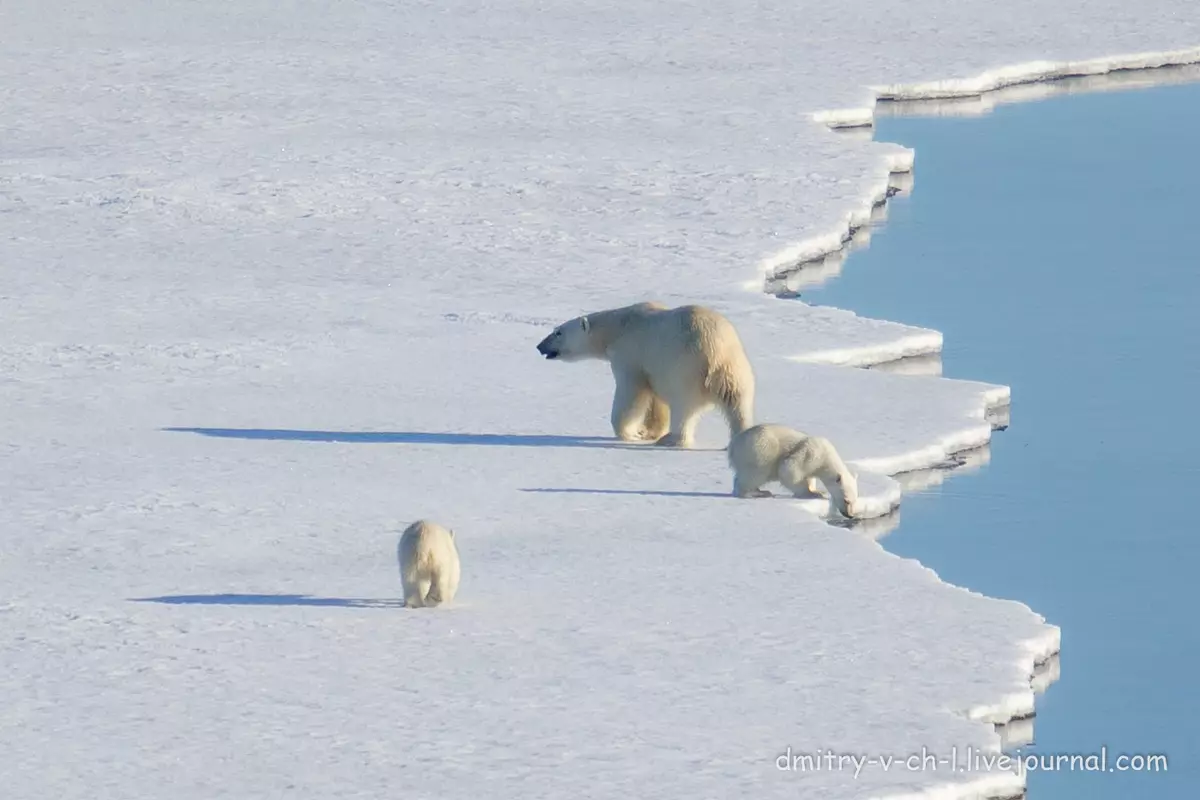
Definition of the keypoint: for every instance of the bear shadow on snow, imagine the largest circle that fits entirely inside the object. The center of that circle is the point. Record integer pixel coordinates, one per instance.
(271, 600)
(414, 437)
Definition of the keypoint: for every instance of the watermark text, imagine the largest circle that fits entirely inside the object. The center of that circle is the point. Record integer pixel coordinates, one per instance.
(969, 760)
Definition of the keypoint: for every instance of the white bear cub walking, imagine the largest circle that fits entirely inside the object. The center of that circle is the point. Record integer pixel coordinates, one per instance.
(670, 365)
(770, 452)
(429, 568)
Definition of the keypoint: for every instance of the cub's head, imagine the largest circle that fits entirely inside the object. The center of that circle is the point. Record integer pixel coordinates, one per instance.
(570, 341)
(845, 492)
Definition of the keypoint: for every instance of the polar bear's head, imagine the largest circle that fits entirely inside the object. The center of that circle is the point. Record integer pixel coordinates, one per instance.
(570, 341)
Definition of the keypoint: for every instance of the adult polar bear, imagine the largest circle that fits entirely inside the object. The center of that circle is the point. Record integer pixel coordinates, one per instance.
(670, 366)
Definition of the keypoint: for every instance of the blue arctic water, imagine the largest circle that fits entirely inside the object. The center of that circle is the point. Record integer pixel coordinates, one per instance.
(1057, 246)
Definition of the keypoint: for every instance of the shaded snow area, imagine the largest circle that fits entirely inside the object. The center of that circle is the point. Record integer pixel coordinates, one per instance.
(271, 277)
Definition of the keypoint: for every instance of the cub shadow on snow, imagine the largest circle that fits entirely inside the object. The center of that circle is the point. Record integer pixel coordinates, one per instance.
(421, 437)
(270, 600)
(872, 526)
(649, 492)
(466, 439)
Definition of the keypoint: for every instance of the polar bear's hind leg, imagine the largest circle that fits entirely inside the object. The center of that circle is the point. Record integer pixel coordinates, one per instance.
(685, 415)
(439, 591)
(415, 593)
(445, 585)
(748, 482)
(742, 490)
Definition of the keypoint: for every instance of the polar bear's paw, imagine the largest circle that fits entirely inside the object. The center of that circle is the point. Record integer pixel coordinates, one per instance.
(673, 440)
(657, 422)
(636, 435)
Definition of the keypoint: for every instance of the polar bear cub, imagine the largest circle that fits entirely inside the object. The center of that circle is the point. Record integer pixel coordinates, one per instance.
(670, 365)
(770, 452)
(429, 567)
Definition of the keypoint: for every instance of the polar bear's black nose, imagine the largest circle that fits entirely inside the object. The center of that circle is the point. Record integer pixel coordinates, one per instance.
(545, 349)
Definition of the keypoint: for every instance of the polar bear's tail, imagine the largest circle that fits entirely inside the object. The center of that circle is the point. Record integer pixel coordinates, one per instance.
(734, 397)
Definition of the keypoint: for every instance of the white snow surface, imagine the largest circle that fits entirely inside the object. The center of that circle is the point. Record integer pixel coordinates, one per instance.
(271, 276)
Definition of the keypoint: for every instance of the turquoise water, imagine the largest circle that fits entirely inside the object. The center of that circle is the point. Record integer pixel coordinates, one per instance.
(1056, 244)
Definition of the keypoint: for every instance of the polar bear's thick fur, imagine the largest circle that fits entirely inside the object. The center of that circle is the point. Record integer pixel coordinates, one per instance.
(770, 452)
(670, 366)
(429, 567)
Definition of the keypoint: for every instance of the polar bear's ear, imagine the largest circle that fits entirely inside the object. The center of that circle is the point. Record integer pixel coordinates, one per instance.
(587, 326)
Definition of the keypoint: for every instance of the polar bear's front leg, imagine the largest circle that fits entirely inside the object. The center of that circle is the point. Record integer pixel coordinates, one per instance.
(657, 421)
(805, 487)
(796, 475)
(633, 405)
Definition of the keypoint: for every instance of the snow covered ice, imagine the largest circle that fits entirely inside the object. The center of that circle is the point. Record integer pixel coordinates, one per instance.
(270, 283)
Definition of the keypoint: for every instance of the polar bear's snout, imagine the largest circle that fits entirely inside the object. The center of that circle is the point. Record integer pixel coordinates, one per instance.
(547, 347)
